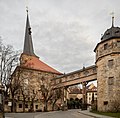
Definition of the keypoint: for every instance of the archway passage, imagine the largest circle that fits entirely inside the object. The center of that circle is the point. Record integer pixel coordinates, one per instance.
(82, 76)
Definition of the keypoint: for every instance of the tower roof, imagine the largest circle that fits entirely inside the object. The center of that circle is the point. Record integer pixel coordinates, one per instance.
(31, 61)
(28, 44)
(113, 32)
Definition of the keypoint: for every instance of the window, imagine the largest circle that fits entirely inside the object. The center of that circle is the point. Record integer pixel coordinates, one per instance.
(105, 46)
(26, 105)
(18, 97)
(20, 105)
(118, 44)
(36, 106)
(110, 80)
(105, 102)
(110, 63)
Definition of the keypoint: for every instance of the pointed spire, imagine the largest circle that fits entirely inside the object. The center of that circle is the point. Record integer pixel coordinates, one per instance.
(28, 45)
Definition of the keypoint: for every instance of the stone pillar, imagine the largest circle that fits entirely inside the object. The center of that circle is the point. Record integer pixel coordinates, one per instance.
(65, 95)
(84, 100)
(64, 99)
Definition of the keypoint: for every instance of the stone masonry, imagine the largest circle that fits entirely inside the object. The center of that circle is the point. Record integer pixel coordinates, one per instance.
(108, 73)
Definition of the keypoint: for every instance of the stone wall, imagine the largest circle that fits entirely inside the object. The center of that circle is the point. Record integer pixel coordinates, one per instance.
(31, 81)
(108, 73)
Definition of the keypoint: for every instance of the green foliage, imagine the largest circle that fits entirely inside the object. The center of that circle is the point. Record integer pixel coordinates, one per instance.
(116, 115)
(74, 103)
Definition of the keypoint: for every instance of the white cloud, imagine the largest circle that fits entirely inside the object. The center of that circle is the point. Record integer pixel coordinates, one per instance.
(65, 32)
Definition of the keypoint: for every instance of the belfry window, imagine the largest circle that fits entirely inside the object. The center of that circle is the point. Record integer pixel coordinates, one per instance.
(105, 46)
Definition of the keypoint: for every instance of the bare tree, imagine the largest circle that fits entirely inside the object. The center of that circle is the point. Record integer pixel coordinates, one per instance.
(24, 91)
(15, 86)
(8, 61)
(46, 91)
(33, 96)
(57, 94)
(27, 89)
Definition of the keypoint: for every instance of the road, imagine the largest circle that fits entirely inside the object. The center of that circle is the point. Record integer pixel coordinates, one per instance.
(54, 114)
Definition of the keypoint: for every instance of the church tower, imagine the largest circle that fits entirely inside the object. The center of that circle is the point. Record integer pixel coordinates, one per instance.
(28, 49)
(108, 69)
(28, 58)
(31, 75)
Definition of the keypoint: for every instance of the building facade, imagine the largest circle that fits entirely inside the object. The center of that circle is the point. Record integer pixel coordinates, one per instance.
(30, 88)
(91, 93)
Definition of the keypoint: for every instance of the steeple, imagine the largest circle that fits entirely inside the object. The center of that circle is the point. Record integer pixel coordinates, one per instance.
(28, 45)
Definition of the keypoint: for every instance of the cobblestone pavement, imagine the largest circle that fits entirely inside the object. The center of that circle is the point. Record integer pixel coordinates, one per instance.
(54, 114)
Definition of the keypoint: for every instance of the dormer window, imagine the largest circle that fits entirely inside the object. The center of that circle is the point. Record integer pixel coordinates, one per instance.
(107, 33)
(105, 46)
(117, 31)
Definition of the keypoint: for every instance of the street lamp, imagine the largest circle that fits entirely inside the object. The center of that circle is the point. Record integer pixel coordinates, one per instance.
(1, 101)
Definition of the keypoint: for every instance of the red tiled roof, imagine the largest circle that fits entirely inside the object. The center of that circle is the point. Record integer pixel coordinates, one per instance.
(37, 64)
(75, 91)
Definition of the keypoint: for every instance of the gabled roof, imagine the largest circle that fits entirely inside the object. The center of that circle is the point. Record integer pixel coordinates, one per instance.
(34, 63)
(91, 87)
(75, 90)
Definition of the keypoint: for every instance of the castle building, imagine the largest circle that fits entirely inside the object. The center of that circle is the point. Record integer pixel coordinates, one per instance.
(33, 75)
(30, 78)
(108, 69)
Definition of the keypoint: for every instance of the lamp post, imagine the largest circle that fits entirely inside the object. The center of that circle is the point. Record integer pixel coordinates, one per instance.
(1, 101)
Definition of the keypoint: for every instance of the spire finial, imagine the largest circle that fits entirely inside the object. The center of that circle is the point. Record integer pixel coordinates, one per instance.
(112, 14)
(26, 2)
(27, 9)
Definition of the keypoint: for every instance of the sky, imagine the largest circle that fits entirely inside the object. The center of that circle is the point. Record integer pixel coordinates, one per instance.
(64, 32)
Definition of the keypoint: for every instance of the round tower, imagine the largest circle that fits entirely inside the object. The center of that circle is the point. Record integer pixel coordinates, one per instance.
(108, 69)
